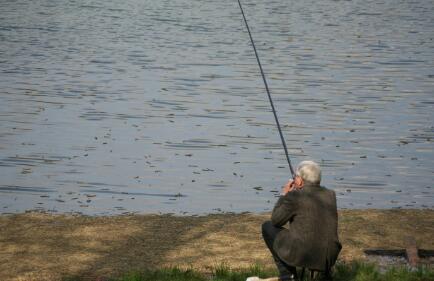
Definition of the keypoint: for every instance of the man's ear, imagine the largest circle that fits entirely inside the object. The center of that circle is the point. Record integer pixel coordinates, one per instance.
(300, 182)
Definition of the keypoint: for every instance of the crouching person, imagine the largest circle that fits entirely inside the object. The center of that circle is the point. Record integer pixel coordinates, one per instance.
(310, 240)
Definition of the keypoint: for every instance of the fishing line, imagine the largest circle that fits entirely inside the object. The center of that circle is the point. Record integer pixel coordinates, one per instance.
(268, 92)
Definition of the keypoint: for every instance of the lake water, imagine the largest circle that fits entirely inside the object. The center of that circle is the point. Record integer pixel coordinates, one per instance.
(147, 106)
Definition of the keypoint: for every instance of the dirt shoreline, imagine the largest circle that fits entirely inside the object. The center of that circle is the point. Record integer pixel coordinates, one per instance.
(40, 246)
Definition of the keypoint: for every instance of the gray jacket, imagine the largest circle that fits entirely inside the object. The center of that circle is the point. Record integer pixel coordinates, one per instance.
(311, 240)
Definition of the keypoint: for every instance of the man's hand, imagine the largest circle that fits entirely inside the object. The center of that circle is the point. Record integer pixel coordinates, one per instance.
(292, 185)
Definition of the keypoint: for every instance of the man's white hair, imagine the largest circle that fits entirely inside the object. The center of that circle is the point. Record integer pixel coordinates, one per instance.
(309, 171)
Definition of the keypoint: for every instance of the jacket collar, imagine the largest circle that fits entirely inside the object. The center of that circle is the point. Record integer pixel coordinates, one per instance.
(310, 186)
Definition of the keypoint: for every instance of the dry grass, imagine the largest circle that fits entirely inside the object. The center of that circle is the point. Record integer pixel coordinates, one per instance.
(36, 246)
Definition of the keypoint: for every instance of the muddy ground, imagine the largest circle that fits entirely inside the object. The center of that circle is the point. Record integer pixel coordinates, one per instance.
(40, 246)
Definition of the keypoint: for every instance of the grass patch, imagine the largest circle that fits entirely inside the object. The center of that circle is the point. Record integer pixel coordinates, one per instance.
(164, 274)
(354, 271)
(168, 274)
(361, 271)
(224, 273)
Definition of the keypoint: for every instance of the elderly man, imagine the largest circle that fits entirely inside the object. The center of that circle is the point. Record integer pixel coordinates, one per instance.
(311, 239)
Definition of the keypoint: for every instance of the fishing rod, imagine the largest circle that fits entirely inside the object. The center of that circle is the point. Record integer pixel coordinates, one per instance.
(291, 169)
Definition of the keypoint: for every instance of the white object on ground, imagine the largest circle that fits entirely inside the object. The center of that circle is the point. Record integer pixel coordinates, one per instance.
(255, 278)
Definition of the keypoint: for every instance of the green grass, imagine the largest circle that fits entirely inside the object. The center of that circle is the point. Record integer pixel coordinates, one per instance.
(169, 274)
(355, 271)
(359, 271)
(224, 273)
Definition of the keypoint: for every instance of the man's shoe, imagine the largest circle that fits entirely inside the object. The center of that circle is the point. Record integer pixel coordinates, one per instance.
(287, 277)
(255, 278)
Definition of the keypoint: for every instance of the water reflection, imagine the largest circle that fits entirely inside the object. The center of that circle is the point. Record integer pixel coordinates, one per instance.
(158, 106)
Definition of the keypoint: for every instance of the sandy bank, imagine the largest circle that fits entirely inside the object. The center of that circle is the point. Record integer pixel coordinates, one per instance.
(37, 246)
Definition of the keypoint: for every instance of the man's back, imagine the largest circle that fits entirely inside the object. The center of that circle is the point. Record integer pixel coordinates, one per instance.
(311, 240)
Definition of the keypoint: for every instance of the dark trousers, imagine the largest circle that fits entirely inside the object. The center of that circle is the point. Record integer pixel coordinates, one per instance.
(269, 233)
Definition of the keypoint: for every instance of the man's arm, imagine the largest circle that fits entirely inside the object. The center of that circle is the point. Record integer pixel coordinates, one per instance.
(284, 209)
